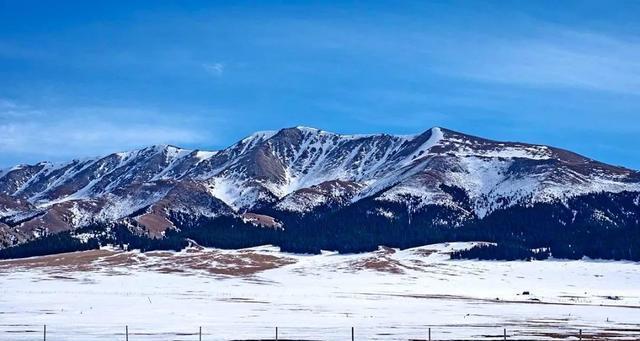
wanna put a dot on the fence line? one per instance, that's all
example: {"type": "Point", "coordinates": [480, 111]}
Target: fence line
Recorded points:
{"type": "Point", "coordinates": [353, 336]}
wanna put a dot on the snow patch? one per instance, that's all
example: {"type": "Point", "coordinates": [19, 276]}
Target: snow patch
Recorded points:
{"type": "Point", "coordinates": [204, 155]}
{"type": "Point", "coordinates": [422, 151]}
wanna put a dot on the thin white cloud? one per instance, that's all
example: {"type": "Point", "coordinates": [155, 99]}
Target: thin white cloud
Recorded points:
{"type": "Point", "coordinates": [10, 110]}
{"type": "Point", "coordinates": [7, 104]}
{"type": "Point", "coordinates": [79, 132]}
{"type": "Point", "coordinates": [559, 58]}
{"type": "Point", "coordinates": [69, 139]}
{"type": "Point", "coordinates": [215, 69]}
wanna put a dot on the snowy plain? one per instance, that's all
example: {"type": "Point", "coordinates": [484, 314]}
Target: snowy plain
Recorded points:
{"type": "Point", "coordinates": [385, 295]}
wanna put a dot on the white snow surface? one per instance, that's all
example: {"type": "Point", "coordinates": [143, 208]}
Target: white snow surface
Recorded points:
{"type": "Point", "coordinates": [385, 295]}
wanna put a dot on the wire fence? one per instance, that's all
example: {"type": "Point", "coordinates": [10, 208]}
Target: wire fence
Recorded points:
{"type": "Point", "coordinates": [46, 333]}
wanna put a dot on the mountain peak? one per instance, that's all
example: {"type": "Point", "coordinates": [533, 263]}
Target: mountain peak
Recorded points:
{"type": "Point", "coordinates": [308, 129]}
{"type": "Point", "coordinates": [305, 130]}
{"type": "Point", "coordinates": [258, 135]}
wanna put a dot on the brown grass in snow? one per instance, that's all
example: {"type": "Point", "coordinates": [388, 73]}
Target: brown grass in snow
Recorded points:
{"type": "Point", "coordinates": [190, 261]}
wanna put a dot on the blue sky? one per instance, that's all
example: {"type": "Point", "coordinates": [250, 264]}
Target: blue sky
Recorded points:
{"type": "Point", "coordinates": [85, 78]}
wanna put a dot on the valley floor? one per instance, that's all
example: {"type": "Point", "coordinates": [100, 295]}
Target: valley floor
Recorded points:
{"type": "Point", "coordinates": [244, 294]}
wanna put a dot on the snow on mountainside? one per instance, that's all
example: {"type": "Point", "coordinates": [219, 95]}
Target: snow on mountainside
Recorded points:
{"type": "Point", "coordinates": [296, 170]}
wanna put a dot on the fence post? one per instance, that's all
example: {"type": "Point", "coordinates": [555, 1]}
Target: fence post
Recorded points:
{"type": "Point", "coordinates": [126, 333]}
{"type": "Point", "coordinates": [276, 333]}
{"type": "Point", "coordinates": [580, 337]}
{"type": "Point", "coordinates": [352, 334]}
{"type": "Point", "coordinates": [45, 333]}
{"type": "Point", "coordinates": [429, 333]}
{"type": "Point", "coordinates": [200, 334]}
{"type": "Point", "coordinates": [505, 334]}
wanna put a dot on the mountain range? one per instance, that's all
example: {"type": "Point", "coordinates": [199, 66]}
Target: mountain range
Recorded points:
{"type": "Point", "coordinates": [306, 189]}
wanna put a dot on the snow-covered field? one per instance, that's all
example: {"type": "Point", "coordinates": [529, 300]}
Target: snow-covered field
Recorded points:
{"type": "Point", "coordinates": [244, 294]}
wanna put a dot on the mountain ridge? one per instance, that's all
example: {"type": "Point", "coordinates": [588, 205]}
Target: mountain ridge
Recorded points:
{"type": "Point", "coordinates": [271, 177]}
{"type": "Point", "coordinates": [270, 133]}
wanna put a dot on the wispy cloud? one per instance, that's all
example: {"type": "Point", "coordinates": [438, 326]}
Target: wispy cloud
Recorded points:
{"type": "Point", "coordinates": [68, 139]}
{"type": "Point", "coordinates": [215, 69]}
{"type": "Point", "coordinates": [555, 59]}
{"type": "Point", "coordinates": [6, 104]}
{"type": "Point", "coordinates": [10, 110]}
{"type": "Point", "coordinates": [51, 135]}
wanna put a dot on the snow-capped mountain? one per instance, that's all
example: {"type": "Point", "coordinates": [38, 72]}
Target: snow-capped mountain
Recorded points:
{"type": "Point", "coordinates": [276, 178]}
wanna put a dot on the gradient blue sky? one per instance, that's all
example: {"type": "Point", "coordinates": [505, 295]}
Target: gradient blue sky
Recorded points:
{"type": "Point", "coordinates": [85, 78]}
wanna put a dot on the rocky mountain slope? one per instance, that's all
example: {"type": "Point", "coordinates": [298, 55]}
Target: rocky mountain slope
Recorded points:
{"type": "Point", "coordinates": [297, 180]}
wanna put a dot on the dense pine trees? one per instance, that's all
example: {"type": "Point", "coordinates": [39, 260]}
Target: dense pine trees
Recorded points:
{"type": "Point", "coordinates": [597, 226]}
{"type": "Point", "coordinates": [50, 244]}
